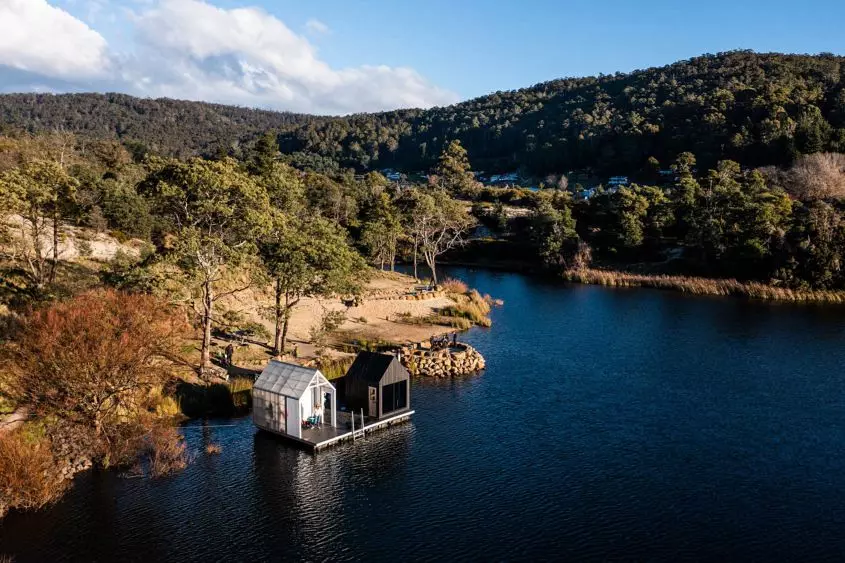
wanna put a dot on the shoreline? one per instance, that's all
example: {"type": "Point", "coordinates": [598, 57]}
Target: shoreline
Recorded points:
{"type": "Point", "coordinates": [690, 285]}
{"type": "Point", "coordinates": [704, 286]}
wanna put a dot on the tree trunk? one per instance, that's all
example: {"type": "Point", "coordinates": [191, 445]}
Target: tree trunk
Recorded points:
{"type": "Point", "coordinates": [278, 348]}
{"type": "Point", "coordinates": [416, 244]}
{"type": "Point", "coordinates": [207, 304]}
{"type": "Point", "coordinates": [431, 261]}
{"type": "Point", "coordinates": [55, 245]}
{"type": "Point", "coordinates": [288, 305]}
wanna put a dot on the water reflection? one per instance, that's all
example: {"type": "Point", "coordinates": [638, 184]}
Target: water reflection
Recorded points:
{"type": "Point", "coordinates": [610, 424]}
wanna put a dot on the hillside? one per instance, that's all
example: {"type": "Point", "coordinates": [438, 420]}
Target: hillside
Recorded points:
{"type": "Point", "coordinates": [163, 126]}
{"type": "Point", "coordinates": [754, 108]}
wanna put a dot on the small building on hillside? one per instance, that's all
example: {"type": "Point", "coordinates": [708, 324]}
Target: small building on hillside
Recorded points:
{"type": "Point", "coordinates": [379, 384]}
{"type": "Point", "coordinates": [288, 398]}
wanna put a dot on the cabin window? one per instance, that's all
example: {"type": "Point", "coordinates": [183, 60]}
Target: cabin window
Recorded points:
{"type": "Point", "coordinates": [394, 397]}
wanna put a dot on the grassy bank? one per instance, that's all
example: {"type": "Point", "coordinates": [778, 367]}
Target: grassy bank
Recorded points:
{"type": "Point", "coordinates": [221, 399]}
{"type": "Point", "coordinates": [704, 286]}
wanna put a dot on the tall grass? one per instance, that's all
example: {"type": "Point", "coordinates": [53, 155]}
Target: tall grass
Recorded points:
{"type": "Point", "coordinates": [704, 286]}
{"type": "Point", "coordinates": [471, 306]}
{"type": "Point", "coordinates": [166, 451]}
{"type": "Point", "coordinates": [337, 368]}
{"type": "Point", "coordinates": [452, 285]}
{"type": "Point", "coordinates": [30, 476]}
{"type": "Point", "coordinates": [220, 399]}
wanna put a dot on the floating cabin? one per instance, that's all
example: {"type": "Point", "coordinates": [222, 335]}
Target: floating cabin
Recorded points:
{"type": "Point", "coordinates": [299, 403]}
{"type": "Point", "coordinates": [286, 395]}
{"type": "Point", "coordinates": [379, 384]}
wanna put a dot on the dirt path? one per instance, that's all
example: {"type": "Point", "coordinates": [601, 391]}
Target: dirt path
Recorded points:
{"type": "Point", "coordinates": [383, 314]}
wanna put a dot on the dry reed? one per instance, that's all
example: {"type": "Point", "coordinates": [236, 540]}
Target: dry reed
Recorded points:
{"type": "Point", "coordinates": [704, 286]}
{"type": "Point", "coordinates": [30, 476]}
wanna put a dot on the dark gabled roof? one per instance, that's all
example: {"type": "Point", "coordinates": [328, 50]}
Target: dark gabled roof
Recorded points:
{"type": "Point", "coordinates": [370, 366]}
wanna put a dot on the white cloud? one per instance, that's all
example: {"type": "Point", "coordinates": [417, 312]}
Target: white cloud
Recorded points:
{"type": "Point", "coordinates": [40, 38]}
{"type": "Point", "coordinates": [192, 49]}
{"type": "Point", "coordinates": [316, 27]}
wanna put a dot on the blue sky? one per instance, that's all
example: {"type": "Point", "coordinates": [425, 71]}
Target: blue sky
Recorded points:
{"type": "Point", "coordinates": [475, 47]}
{"type": "Point", "coordinates": [340, 56]}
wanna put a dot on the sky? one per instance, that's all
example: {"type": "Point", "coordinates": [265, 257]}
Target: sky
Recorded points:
{"type": "Point", "coordinates": [348, 56]}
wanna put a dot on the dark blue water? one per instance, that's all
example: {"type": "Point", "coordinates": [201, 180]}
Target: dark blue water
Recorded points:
{"type": "Point", "coordinates": [631, 424]}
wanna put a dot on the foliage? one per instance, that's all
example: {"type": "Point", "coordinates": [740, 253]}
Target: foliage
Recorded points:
{"type": "Point", "coordinates": [755, 108]}
{"type": "Point", "coordinates": [471, 306]}
{"type": "Point", "coordinates": [452, 285]}
{"type": "Point", "coordinates": [308, 257]}
{"type": "Point", "coordinates": [454, 172]}
{"type": "Point", "coordinates": [553, 232]}
{"type": "Point", "coordinates": [381, 233]}
{"type": "Point", "coordinates": [329, 322]}
{"type": "Point", "coordinates": [40, 191]}
{"type": "Point", "coordinates": [218, 211]}
{"type": "Point", "coordinates": [30, 477]}
{"type": "Point", "coordinates": [437, 224]}
{"type": "Point", "coordinates": [335, 368]}
{"type": "Point", "coordinates": [704, 286]}
{"type": "Point", "coordinates": [92, 361]}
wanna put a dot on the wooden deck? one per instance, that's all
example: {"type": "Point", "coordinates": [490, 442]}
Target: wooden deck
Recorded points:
{"type": "Point", "coordinates": [326, 435]}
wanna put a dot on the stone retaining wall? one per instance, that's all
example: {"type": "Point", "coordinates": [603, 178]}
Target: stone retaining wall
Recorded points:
{"type": "Point", "coordinates": [461, 359]}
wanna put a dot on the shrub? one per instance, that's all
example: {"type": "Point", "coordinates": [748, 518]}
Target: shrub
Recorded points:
{"type": "Point", "coordinates": [30, 478]}
{"type": "Point", "coordinates": [84, 248]}
{"type": "Point", "coordinates": [166, 451]}
{"type": "Point", "coordinates": [472, 307]}
{"type": "Point", "coordinates": [452, 285]}
{"type": "Point", "coordinates": [132, 341]}
{"type": "Point", "coordinates": [334, 369]}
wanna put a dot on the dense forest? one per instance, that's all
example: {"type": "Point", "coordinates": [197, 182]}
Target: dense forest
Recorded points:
{"type": "Point", "coordinates": [163, 126]}
{"type": "Point", "coordinates": [757, 109]}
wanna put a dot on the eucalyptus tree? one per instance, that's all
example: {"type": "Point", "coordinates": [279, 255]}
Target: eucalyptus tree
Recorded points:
{"type": "Point", "coordinates": [307, 256]}
{"type": "Point", "coordinates": [437, 224]}
{"type": "Point", "coordinates": [382, 231]}
{"type": "Point", "coordinates": [39, 191]}
{"type": "Point", "coordinates": [218, 213]}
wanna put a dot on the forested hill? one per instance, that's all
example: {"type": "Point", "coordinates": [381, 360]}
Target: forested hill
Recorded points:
{"type": "Point", "coordinates": [754, 108]}
{"type": "Point", "coordinates": [163, 126]}
{"type": "Point", "coordinates": [757, 109]}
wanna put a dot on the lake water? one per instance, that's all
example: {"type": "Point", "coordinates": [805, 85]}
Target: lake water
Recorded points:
{"type": "Point", "coordinates": [610, 424]}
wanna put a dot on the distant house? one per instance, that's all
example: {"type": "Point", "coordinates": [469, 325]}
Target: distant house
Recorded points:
{"type": "Point", "coordinates": [616, 181]}
{"type": "Point", "coordinates": [379, 384]}
{"type": "Point", "coordinates": [286, 396]}
{"type": "Point", "coordinates": [587, 193]}
{"type": "Point", "coordinates": [391, 174]}
{"type": "Point", "coordinates": [510, 177]}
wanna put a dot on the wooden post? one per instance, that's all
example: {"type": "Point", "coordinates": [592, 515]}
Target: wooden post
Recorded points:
{"type": "Point", "coordinates": [334, 410]}
{"type": "Point", "coordinates": [353, 426]}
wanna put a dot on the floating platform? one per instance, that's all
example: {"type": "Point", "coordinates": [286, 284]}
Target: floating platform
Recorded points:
{"type": "Point", "coordinates": [325, 435]}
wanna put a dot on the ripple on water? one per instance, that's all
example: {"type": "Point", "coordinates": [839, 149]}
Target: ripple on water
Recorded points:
{"type": "Point", "coordinates": [608, 425]}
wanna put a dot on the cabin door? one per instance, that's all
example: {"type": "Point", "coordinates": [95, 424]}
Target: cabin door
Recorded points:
{"type": "Point", "coordinates": [372, 393]}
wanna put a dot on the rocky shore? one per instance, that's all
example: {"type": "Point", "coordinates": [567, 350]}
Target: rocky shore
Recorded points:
{"type": "Point", "coordinates": [71, 448]}
{"type": "Point", "coordinates": [455, 360]}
